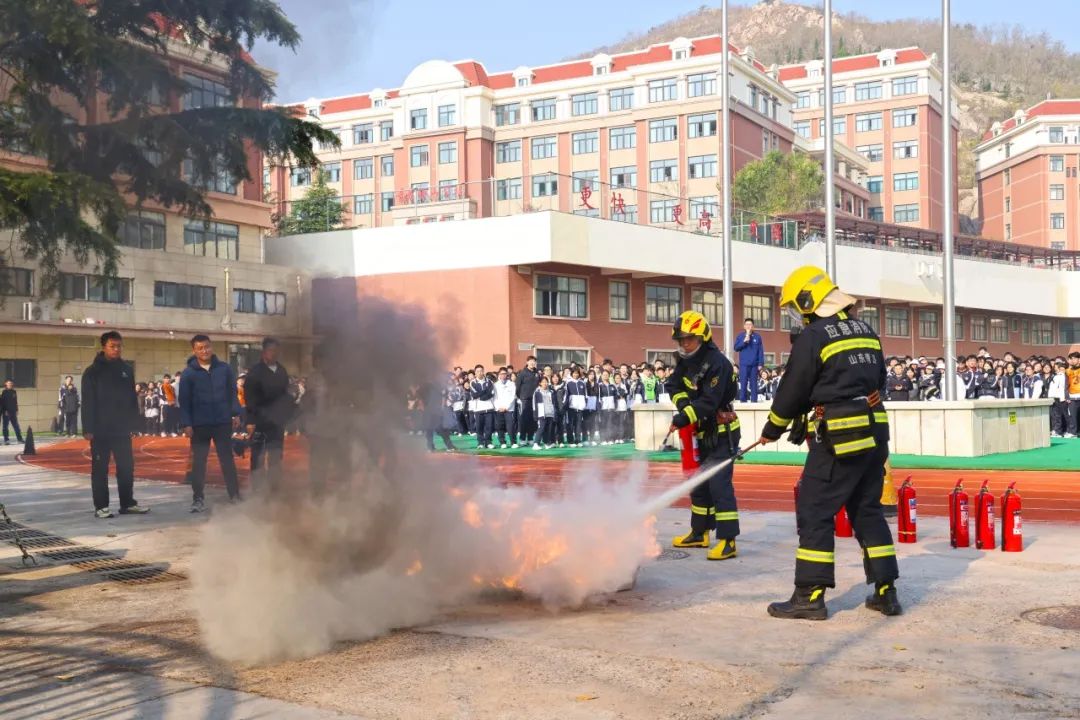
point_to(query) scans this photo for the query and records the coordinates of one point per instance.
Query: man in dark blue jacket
(209, 410)
(751, 359)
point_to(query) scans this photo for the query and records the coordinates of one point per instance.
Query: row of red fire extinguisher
(1012, 537)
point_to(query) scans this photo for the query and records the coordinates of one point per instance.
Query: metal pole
(949, 301)
(725, 189)
(830, 172)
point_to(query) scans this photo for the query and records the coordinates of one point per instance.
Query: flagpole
(830, 172)
(949, 300)
(725, 181)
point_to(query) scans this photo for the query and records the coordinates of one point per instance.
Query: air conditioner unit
(34, 312)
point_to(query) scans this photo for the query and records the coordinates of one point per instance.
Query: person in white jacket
(505, 407)
(1059, 393)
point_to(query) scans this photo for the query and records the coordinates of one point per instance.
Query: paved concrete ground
(691, 640)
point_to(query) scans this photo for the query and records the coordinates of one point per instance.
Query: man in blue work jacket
(751, 351)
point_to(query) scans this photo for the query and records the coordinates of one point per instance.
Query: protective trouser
(712, 503)
(855, 483)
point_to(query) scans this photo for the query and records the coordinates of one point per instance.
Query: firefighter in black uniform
(835, 374)
(703, 386)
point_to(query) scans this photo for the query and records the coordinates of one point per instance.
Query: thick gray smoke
(396, 534)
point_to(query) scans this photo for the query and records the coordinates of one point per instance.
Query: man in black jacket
(527, 382)
(269, 408)
(9, 408)
(110, 413)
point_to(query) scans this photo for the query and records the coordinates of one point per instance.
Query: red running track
(1047, 496)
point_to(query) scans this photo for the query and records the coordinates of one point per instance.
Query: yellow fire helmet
(691, 324)
(805, 289)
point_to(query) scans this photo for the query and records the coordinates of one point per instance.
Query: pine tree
(318, 211)
(89, 94)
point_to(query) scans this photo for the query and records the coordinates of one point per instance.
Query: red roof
(1045, 108)
(853, 63)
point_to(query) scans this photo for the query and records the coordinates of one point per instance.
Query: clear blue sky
(352, 46)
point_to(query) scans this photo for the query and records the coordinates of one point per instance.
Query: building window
(1057, 221)
(699, 205)
(709, 303)
(584, 104)
(363, 134)
(509, 151)
(259, 302)
(663, 170)
(906, 117)
(586, 142)
(839, 95)
(621, 99)
(663, 90)
(905, 86)
(508, 189)
(508, 114)
(545, 185)
(386, 130)
(204, 93)
(387, 168)
(447, 115)
(876, 214)
(701, 84)
(802, 99)
(701, 166)
(145, 230)
(364, 204)
(905, 149)
(619, 300)
(759, 308)
(1008, 176)
(363, 168)
(418, 155)
(561, 357)
(95, 288)
(662, 211)
(905, 181)
(1057, 163)
(212, 239)
(419, 193)
(662, 303)
(1042, 332)
(703, 125)
(872, 317)
(560, 296)
(623, 138)
(906, 213)
(1068, 332)
(544, 147)
(865, 122)
(182, 295)
(958, 326)
(628, 215)
(21, 372)
(868, 91)
(1057, 134)
(1008, 231)
(300, 176)
(386, 201)
(978, 328)
(999, 330)
(447, 152)
(582, 179)
(873, 153)
(897, 322)
(874, 183)
(801, 128)
(1057, 192)
(928, 324)
(418, 119)
(625, 176)
(332, 171)
(543, 109)
(218, 178)
(664, 130)
(18, 281)
(839, 126)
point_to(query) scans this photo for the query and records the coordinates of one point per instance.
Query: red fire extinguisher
(842, 523)
(959, 516)
(691, 458)
(984, 518)
(905, 512)
(1012, 535)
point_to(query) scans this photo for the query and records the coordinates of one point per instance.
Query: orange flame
(416, 567)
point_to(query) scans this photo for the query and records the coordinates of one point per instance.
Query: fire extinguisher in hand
(984, 518)
(1012, 536)
(959, 516)
(905, 511)
(690, 456)
(842, 524)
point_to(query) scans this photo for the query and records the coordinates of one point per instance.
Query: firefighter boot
(806, 603)
(724, 550)
(691, 540)
(884, 599)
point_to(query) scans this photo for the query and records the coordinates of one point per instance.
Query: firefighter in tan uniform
(830, 391)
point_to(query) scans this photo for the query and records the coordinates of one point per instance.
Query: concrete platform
(691, 640)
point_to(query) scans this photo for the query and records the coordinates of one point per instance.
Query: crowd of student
(575, 406)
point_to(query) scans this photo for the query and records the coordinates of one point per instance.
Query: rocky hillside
(996, 70)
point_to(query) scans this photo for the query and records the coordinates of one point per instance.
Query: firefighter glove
(680, 420)
(771, 432)
(797, 434)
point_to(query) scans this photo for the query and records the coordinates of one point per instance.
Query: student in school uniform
(607, 408)
(543, 407)
(575, 410)
(483, 406)
(592, 410)
(622, 408)
(558, 394)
